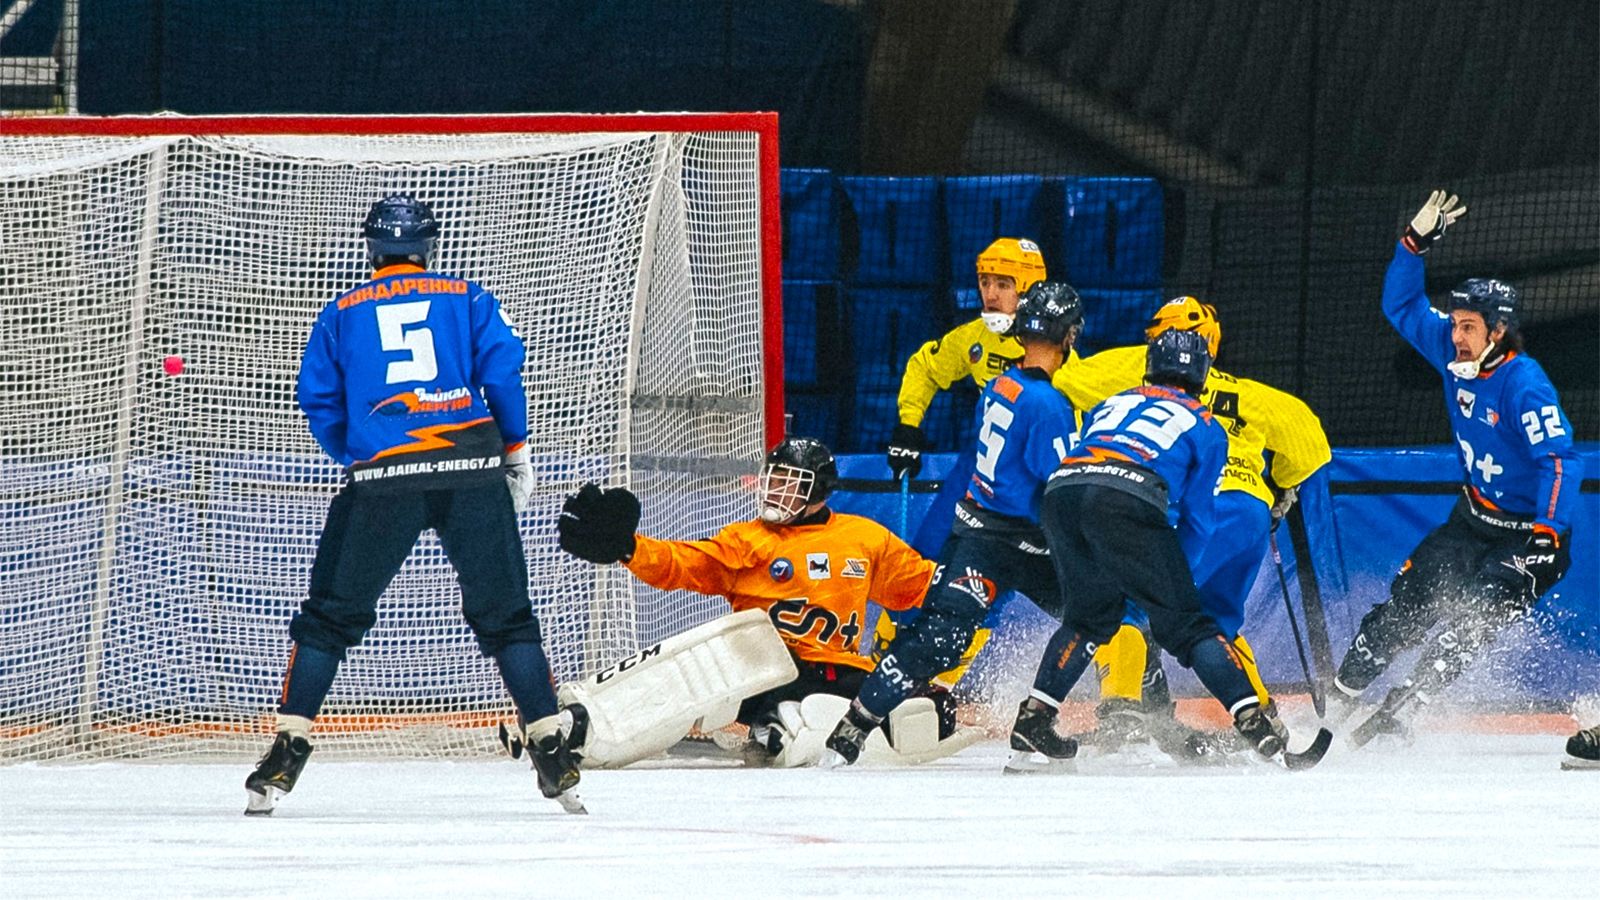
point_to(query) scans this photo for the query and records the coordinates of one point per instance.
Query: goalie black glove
(598, 525)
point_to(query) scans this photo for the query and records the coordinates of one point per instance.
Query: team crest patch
(1466, 399)
(975, 353)
(817, 568)
(854, 568)
(781, 570)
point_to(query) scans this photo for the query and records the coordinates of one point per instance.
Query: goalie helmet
(1491, 298)
(1048, 311)
(797, 473)
(1187, 314)
(1181, 358)
(1018, 258)
(400, 227)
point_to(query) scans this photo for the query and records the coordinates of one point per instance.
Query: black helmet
(1181, 358)
(400, 227)
(797, 473)
(1491, 298)
(1048, 310)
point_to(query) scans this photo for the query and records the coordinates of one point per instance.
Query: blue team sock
(306, 684)
(526, 673)
(1214, 663)
(1066, 658)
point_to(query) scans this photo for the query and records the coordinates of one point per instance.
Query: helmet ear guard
(400, 227)
(1187, 314)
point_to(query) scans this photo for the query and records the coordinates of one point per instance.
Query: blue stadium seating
(979, 209)
(810, 224)
(1115, 318)
(1113, 229)
(897, 227)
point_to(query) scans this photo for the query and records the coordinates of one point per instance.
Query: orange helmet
(1017, 257)
(1187, 314)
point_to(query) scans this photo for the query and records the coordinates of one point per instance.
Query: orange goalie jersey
(813, 580)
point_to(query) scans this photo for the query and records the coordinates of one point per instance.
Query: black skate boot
(1583, 750)
(1034, 732)
(556, 770)
(275, 774)
(1121, 722)
(848, 737)
(1260, 728)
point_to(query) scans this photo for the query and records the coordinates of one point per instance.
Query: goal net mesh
(157, 530)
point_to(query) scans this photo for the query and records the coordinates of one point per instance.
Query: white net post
(160, 528)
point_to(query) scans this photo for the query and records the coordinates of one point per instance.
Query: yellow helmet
(1187, 314)
(1017, 257)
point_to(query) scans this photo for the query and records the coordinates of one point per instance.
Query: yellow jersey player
(1257, 418)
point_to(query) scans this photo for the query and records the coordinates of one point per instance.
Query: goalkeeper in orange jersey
(812, 571)
(1259, 420)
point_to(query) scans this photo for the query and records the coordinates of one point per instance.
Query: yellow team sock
(1247, 658)
(1120, 664)
(883, 633)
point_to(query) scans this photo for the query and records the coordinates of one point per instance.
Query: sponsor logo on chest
(781, 570)
(854, 568)
(1465, 401)
(817, 567)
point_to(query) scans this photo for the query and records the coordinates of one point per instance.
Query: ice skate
(848, 737)
(557, 771)
(1390, 719)
(275, 774)
(1260, 728)
(1035, 744)
(1583, 750)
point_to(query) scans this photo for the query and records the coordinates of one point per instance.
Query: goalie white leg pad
(647, 702)
(915, 723)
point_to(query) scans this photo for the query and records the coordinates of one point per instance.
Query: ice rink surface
(1451, 816)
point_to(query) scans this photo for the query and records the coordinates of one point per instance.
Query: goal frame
(763, 124)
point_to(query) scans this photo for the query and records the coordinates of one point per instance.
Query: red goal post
(162, 525)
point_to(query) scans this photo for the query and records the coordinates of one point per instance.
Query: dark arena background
(1262, 155)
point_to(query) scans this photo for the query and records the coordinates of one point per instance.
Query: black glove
(598, 525)
(905, 451)
(1431, 220)
(1543, 560)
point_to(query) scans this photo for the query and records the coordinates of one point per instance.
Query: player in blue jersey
(1025, 427)
(412, 381)
(1129, 515)
(1507, 540)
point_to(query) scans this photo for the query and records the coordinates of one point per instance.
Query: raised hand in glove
(598, 525)
(1440, 212)
(1543, 559)
(905, 450)
(519, 476)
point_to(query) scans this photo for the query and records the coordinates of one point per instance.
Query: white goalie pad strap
(644, 704)
(915, 723)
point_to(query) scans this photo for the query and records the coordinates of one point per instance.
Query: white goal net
(157, 531)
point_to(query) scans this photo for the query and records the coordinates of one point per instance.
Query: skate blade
(260, 804)
(1027, 762)
(831, 760)
(1580, 765)
(571, 803)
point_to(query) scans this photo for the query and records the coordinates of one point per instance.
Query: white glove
(519, 477)
(1439, 213)
(1285, 500)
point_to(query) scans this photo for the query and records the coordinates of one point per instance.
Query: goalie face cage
(159, 530)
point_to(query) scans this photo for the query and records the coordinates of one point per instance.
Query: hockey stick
(905, 506)
(1318, 701)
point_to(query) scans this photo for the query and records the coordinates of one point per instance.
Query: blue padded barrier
(1113, 232)
(817, 349)
(887, 325)
(897, 231)
(979, 209)
(810, 224)
(1115, 318)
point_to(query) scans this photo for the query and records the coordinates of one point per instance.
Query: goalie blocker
(648, 702)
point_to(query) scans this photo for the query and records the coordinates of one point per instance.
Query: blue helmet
(1049, 310)
(1491, 298)
(1179, 358)
(400, 227)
